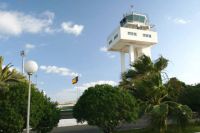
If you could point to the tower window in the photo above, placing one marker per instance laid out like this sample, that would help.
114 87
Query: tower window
147 35
132 33
115 36
110 41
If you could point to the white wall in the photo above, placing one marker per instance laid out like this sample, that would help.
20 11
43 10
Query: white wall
139 37
125 39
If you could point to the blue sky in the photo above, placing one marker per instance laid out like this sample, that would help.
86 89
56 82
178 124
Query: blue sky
67 37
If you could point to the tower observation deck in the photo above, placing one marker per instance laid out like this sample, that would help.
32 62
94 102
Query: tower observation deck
134 36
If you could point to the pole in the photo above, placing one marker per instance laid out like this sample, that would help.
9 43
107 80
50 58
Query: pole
77 93
22 64
77 98
36 79
122 55
29 100
131 54
22 53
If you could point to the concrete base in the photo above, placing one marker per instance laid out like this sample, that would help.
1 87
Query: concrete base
69 122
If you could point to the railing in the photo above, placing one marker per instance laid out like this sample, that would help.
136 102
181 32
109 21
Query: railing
66 115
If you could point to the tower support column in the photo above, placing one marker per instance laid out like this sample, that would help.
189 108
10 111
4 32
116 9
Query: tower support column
147 51
123 68
131 54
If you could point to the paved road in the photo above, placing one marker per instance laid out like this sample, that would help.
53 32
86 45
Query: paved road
141 123
77 129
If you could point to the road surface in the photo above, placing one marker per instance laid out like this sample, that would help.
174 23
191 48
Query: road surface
76 129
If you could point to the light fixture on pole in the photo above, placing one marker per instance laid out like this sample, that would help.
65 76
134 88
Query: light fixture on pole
22 54
30 68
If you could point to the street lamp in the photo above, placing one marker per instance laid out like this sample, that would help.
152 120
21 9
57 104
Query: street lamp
23 54
30 68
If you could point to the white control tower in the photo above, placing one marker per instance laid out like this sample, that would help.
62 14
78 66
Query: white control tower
133 36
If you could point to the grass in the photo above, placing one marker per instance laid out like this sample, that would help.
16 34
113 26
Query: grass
171 129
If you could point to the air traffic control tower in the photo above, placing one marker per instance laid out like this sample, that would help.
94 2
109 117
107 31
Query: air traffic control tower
134 36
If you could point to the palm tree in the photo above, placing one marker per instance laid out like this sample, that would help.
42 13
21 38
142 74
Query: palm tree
7 75
145 80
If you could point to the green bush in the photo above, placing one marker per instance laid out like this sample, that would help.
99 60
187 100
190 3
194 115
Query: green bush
191 97
10 120
13 110
106 107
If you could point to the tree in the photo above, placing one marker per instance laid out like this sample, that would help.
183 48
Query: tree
3 88
106 107
190 96
10 120
13 110
51 117
44 114
145 81
175 88
8 75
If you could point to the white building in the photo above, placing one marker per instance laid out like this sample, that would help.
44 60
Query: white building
134 36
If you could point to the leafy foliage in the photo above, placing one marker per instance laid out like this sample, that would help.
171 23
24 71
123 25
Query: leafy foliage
8 75
50 118
44 114
42 109
10 120
175 88
3 89
159 116
145 81
191 96
181 114
192 128
106 107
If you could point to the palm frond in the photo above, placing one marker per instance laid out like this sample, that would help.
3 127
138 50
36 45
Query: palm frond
160 64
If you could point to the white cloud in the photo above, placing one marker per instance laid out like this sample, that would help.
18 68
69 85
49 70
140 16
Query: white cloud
64 96
41 83
13 23
59 70
92 84
70 95
29 47
179 20
111 55
51 30
104 49
12 68
50 16
71 28
16 68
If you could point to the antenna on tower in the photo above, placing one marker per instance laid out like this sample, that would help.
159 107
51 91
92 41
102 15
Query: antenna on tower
131 8
130 11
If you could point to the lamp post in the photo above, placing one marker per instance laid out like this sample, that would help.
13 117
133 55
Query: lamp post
23 54
30 68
